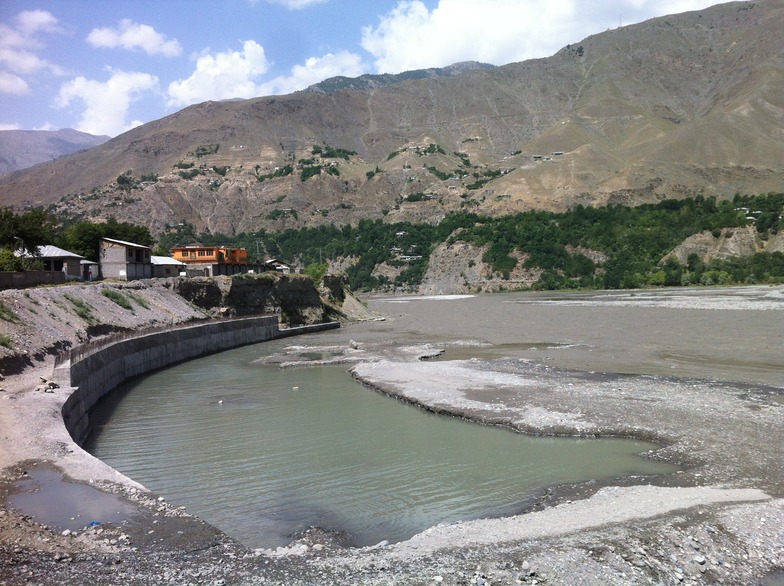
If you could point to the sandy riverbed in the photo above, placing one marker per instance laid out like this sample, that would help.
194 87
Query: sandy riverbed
720 521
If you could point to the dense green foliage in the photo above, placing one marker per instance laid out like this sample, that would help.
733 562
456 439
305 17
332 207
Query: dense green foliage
632 241
83 237
309 171
27 230
34 228
206 149
609 247
440 174
278 172
316 271
329 152
189 174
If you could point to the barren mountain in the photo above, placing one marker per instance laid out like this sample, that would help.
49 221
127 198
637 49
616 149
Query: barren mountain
674 106
20 149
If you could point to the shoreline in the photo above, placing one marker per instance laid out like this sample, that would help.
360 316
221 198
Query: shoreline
724 526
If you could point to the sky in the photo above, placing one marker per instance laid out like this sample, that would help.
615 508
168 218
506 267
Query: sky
106 66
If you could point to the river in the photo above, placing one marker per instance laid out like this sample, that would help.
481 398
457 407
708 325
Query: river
263 452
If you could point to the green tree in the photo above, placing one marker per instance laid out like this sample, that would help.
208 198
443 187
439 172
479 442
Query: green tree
83 237
316 271
27 230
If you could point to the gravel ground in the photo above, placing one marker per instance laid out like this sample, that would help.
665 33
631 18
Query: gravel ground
719 521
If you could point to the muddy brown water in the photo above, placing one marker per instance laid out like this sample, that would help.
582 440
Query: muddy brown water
263 452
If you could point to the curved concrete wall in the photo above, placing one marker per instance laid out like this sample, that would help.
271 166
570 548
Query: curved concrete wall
101 372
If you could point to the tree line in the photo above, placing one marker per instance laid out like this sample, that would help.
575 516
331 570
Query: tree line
609 247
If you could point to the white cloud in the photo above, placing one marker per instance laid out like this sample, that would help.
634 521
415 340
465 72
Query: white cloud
222 76
238 74
25 62
18 46
13 84
106 104
132 35
9 126
498 31
33 21
315 70
492 31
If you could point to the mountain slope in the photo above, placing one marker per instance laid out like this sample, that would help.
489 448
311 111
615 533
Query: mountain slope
20 149
675 106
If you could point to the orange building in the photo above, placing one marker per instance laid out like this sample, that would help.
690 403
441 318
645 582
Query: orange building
212 260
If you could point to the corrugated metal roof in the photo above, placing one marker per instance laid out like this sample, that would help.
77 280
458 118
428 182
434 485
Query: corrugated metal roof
124 243
165 260
50 251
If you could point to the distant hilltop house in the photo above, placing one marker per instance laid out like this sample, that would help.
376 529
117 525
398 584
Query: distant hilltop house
210 261
125 261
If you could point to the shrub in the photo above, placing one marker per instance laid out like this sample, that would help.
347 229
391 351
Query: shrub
126 181
6 342
7 314
189 174
117 297
309 172
316 271
81 308
140 301
206 149
280 172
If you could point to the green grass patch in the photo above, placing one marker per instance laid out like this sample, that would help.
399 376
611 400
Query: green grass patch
117 297
7 314
6 342
81 308
140 301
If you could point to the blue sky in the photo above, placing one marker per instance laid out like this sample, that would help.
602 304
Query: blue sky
105 66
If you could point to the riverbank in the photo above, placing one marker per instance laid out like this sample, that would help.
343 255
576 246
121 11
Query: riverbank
720 521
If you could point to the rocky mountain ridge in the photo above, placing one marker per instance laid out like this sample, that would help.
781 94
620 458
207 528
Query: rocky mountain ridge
675 106
20 149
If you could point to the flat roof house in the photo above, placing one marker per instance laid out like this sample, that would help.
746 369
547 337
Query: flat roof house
211 261
125 261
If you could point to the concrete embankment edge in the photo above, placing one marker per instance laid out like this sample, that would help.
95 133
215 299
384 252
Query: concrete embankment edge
99 373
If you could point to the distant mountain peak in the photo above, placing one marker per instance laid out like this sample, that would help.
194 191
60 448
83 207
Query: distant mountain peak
20 149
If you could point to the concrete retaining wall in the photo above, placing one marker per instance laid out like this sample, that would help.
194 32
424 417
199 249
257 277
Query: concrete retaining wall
99 373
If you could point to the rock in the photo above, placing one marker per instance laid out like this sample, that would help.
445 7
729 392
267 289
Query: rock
700 560
353 345
526 566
